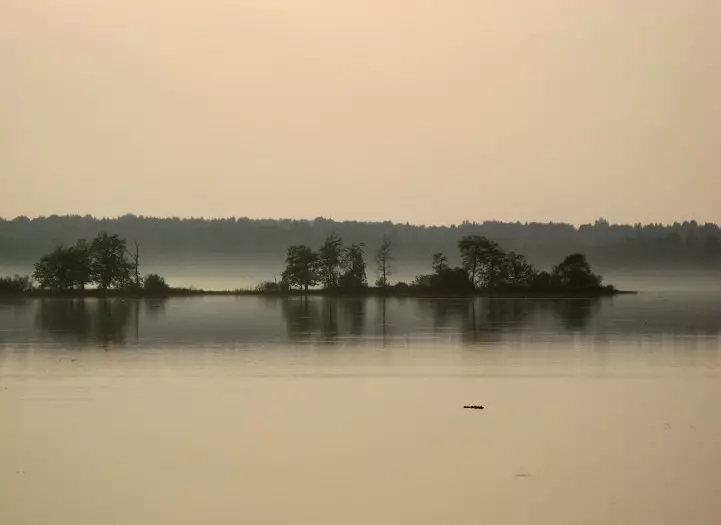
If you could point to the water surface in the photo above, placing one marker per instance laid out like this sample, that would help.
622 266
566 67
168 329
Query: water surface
262 410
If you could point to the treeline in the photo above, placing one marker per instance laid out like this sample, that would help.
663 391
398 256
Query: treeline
104 263
677 246
485 267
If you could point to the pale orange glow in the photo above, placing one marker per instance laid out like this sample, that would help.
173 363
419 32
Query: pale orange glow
429 112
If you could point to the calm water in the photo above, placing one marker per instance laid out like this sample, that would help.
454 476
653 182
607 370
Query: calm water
261 410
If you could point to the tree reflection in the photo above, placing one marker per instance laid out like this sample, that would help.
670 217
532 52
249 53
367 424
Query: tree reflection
575 314
326 319
354 312
103 321
300 317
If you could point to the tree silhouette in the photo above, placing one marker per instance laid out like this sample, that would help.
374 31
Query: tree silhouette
65 268
383 261
354 268
481 258
515 271
574 273
155 284
329 260
301 268
135 258
440 262
109 267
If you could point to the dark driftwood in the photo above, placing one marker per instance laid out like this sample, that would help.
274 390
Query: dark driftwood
476 407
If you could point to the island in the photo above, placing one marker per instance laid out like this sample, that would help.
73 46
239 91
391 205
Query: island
105 266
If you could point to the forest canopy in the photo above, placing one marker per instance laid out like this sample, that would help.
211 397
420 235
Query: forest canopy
609 246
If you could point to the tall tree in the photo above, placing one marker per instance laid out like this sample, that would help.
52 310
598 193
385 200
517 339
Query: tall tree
440 262
383 262
329 259
80 261
354 268
110 269
301 267
481 258
135 261
516 270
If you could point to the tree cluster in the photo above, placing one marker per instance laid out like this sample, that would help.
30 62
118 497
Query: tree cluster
104 263
334 266
486 266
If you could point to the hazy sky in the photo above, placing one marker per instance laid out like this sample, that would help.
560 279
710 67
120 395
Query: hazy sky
408 110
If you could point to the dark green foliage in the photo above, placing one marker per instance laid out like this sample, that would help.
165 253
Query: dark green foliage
401 287
301 267
686 245
482 260
440 262
383 262
445 279
424 281
109 268
154 284
451 280
16 284
353 277
330 257
101 262
515 271
272 287
52 271
80 264
65 268
542 282
574 273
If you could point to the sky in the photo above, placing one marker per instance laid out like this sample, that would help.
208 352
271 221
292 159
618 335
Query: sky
416 111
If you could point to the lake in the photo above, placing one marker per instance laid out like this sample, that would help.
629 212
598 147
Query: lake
229 410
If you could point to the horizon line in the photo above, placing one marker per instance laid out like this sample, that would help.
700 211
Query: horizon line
465 222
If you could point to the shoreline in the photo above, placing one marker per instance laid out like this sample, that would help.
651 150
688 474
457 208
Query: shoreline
370 292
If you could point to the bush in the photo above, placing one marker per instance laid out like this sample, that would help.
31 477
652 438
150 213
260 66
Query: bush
16 284
155 284
401 287
272 287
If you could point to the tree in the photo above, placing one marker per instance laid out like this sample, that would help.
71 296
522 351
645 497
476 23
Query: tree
574 273
354 268
329 260
481 258
383 261
52 272
79 260
301 267
16 284
135 258
155 284
65 268
440 262
516 271
109 267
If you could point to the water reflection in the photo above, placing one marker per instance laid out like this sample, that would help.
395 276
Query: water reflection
378 321
101 321
575 314
329 320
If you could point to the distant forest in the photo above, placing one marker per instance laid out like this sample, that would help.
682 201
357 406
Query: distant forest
681 246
